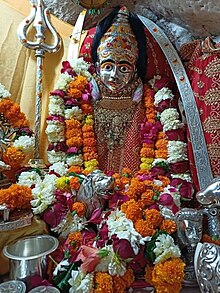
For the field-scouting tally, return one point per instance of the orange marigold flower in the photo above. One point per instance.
(74, 183)
(91, 142)
(161, 135)
(149, 145)
(116, 176)
(126, 204)
(103, 283)
(151, 116)
(134, 212)
(126, 171)
(144, 228)
(147, 152)
(79, 208)
(16, 197)
(88, 149)
(151, 121)
(87, 128)
(88, 134)
(74, 237)
(86, 108)
(74, 142)
(13, 157)
(72, 124)
(170, 272)
(148, 274)
(75, 241)
(131, 195)
(128, 277)
(154, 217)
(75, 169)
(86, 172)
(80, 82)
(119, 285)
(161, 143)
(137, 186)
(90, 156)
(161, 154)
(167, 288)
(74, 93)
(125, 180)
(147, 197)
(168, 226)
(165, 180)
(73, 132)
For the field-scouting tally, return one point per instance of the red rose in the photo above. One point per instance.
(179, 167)
(176, 134)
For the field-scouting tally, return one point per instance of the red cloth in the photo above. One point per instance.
(204, 75)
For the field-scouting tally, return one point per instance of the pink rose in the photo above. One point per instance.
(89, 257)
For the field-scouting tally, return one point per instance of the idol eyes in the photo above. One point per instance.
(123, 68)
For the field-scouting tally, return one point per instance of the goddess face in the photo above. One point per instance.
(115, 73)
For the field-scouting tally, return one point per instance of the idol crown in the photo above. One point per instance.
(119, 39)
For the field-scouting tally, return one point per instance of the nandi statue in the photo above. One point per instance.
(209, 197)
(93, 190)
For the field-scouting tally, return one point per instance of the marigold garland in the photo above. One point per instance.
(16, 197)
(21, 141)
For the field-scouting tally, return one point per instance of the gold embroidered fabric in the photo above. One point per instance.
(204, 74)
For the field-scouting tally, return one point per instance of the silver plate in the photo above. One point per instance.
(13, 287)
(23, 222)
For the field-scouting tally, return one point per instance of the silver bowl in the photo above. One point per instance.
(28, 257)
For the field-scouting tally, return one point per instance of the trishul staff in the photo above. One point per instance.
(39, 16)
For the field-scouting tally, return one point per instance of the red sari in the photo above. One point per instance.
(204, 74)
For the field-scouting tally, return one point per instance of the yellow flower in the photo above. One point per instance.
(147, 160)
(63, 183)
(91, 164)
(145, 166)
(89, 120)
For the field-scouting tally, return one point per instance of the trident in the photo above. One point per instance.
(39, 16)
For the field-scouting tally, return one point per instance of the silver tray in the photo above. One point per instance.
(20, 223)
(13, 287)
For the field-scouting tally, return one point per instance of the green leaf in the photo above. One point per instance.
(63, 284)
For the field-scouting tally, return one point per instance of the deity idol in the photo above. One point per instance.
(118, 108)
(119, 53)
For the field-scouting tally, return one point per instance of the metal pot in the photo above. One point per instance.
(28, 257)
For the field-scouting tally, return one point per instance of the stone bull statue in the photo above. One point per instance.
(93, 190)
(209, 197)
